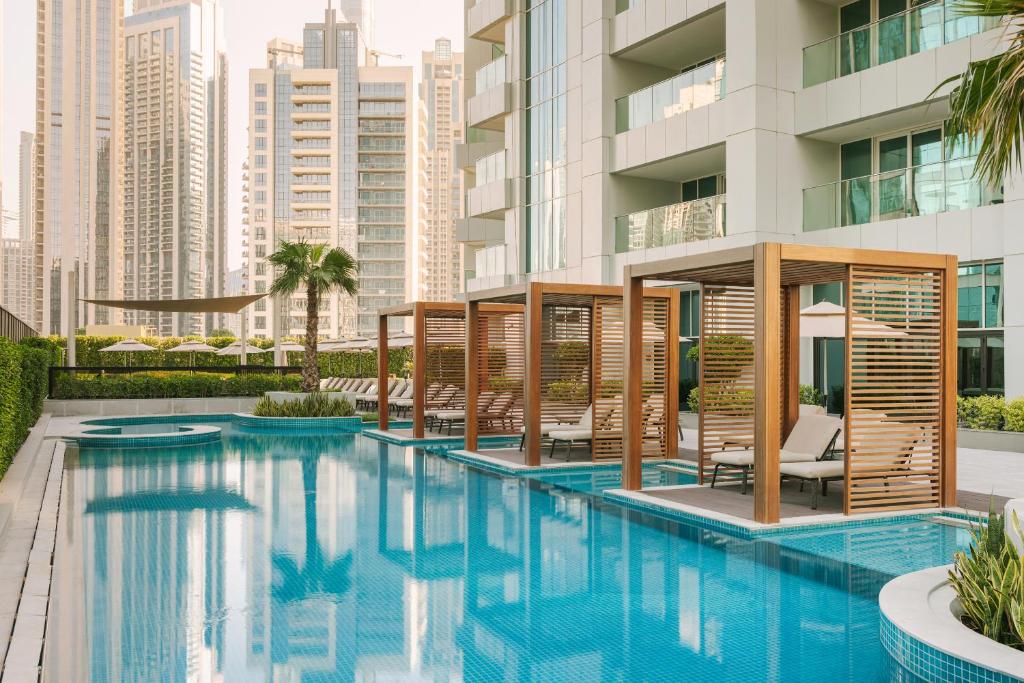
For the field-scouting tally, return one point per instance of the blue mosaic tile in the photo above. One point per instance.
(932, 665)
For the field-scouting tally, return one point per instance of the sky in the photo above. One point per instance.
(406, 27)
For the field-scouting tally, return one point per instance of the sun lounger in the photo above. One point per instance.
(812, 438)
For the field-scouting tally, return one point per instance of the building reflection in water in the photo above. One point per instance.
(336, 558)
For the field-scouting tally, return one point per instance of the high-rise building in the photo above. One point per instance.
(18, 254)
(77, 211)
(361, 12)
(439, 266)
(602, 134)
(330, 155)
(175, 146)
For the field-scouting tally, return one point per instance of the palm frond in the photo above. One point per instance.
(987, 106)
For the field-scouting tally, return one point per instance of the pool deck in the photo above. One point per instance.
(513, 461)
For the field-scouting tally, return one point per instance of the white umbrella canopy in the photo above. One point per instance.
(293, 346)
(400, 340)
(235, 349)
(128, 345)
(357, 344)
(192, 346)
(331, 346)
(829, 321)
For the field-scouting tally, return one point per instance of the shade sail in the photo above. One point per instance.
(224, 304)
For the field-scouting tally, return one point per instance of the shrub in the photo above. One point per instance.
(981, 412)
(568, 390)
(24, 368)
(170, 385)
(314, 405)
(989, 582)
(1013, 416)
(809, 395)
(693, 400)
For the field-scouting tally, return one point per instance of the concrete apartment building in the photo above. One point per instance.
(18, 253)
(175, 170)
(330, 160)
(77, 209)
(620, 131)
(439, 271)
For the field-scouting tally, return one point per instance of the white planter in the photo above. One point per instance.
(282, 396)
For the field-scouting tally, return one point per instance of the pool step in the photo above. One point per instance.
(953, 521)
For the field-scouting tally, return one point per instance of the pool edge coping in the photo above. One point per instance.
(920, 630)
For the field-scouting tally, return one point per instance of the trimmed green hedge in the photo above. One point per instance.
(24, 369)
(990, 412)
(170, 385)
(344, 364)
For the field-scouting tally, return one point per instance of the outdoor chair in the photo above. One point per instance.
(581, 432)
(402, 403)
(500, 411)
(812, 438)
(820, 472)
(546, 427)
(445, 400)
(453, 417)
(369, 400)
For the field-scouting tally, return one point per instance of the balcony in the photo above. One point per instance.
(468, 153)
(692, 89)
(653, 31)
(490, 200)
(486, 19)
(493, 98)
(917, 191)
(918, 29)
(699, 219)
(483, 231)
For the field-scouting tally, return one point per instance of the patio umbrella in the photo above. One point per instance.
(192, 347)
(400, 340)
(292, 346)
(235, 349)
(127, 346)
(331, 346)
(829, 320)
(826, 320)
(357, 344)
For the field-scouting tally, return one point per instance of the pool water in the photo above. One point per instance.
(271, 557)
(597, 480)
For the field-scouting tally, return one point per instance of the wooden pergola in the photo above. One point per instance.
(572, 336)
(438, 351)
(900, 389)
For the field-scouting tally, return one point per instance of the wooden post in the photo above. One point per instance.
(700, 386)
(791, 338)
(947, 383)
(672, 378)
(531, 414)
(382, 372)
(848, 434)
(419, 369)
(472, 373)
(632, 442)
(767, 381)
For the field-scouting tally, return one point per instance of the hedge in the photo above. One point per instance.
(343, 364)
(24, 369)
(170, 385)
(990, 412)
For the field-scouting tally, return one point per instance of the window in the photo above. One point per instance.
(261, 196)
(261, 125)
(261, 161)
(261, 268)
(689, 334)
(546, 135)
(261, 108)
(261, 180)
(261, 142)
(980, 360)
(261, 90)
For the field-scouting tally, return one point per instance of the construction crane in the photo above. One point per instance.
(375, 56)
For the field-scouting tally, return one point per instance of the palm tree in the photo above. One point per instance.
(988, 103)
(320, 271)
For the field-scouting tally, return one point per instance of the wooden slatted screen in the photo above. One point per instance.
(502, 373)
(894, 389)
(445, 339)
(726, 372)
(609, 374)
(564, 360)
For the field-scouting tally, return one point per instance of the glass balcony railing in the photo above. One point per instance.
(917, 191)
(924, 27)
(490, 168)
(699, 219)
(696, 87)
(490, 75)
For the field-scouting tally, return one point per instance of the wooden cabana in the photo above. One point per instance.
(900, 386)
(438, 353)
(572, 363)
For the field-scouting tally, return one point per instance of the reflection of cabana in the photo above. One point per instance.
(438, 355)
(572, 360)
(900, 415)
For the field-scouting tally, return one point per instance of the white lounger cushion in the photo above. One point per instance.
(821, 469)
(810, 437)
(571, 434)
(449, 414)
(734, 458)
(545, 429)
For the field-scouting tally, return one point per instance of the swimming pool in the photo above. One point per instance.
(270, 557)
